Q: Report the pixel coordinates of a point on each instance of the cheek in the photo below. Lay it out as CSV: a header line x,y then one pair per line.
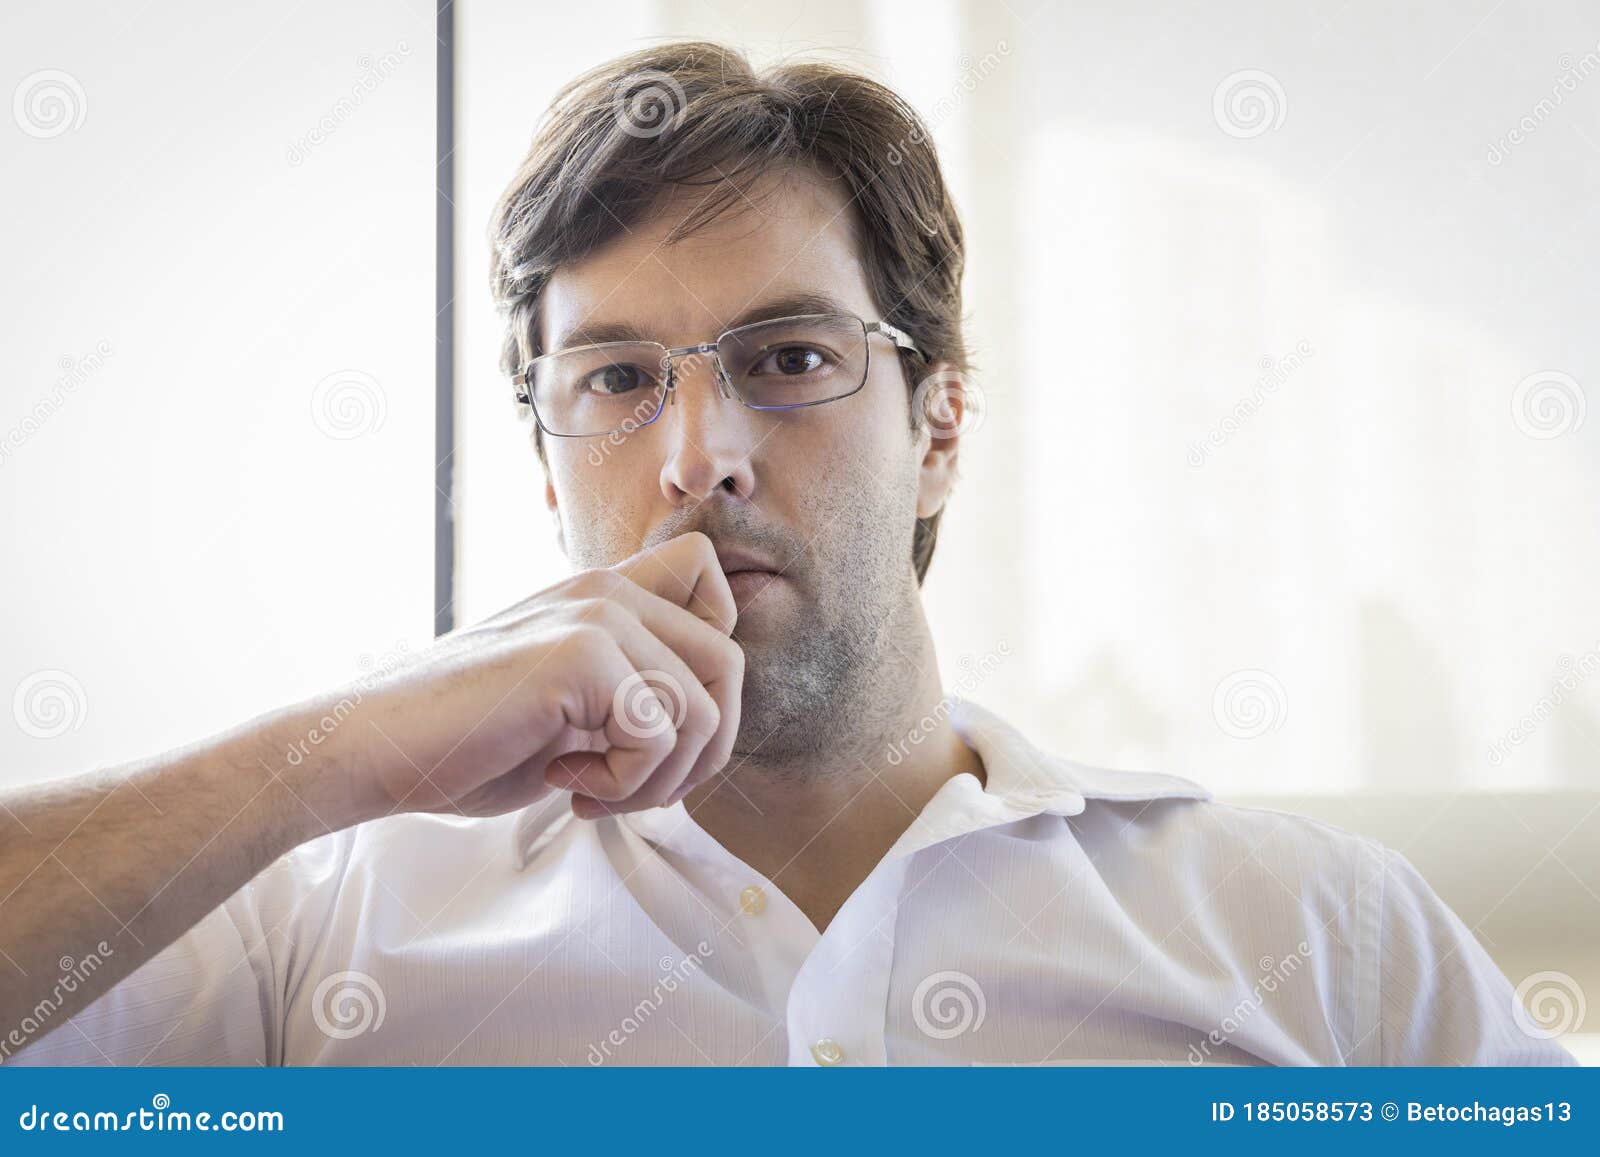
x,y
871,430
602,499
879,444
849,475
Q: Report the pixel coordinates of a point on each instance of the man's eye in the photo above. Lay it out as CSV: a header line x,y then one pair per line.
x,y
791,361
609,381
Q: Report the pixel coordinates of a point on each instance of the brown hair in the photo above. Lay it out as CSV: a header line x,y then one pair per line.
x,y
696,114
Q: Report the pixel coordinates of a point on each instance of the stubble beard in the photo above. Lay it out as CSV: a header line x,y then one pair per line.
x,y
825,694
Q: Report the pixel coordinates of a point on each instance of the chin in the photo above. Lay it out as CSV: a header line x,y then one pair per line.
x,y
770,609
797,680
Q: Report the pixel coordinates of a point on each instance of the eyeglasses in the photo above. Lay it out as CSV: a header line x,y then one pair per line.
x,y
785,364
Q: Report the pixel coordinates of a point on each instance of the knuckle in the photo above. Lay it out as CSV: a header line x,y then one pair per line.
x,y
592,583
626,789
589,638
652,735
707,715
598,612
608,613
608,790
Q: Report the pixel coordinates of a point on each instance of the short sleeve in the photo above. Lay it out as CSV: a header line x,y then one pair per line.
x,y
1443,1001
216,994
193,1003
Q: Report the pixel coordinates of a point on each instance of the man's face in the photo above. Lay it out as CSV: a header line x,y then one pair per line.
x,y
827,496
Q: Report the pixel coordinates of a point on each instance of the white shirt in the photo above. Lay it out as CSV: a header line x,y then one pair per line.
x,y
1056,914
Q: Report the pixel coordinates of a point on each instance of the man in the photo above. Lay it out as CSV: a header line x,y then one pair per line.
x,y
705,801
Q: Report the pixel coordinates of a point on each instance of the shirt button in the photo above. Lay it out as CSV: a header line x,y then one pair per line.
x,y
752,901
827,1052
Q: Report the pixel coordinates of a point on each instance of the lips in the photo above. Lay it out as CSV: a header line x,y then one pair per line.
x,y
735,561
748,574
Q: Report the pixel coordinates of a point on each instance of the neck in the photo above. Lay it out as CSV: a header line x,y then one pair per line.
x,y
817,832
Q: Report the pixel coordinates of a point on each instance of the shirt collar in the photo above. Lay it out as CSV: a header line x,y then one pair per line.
x,y
1020,782
1016,767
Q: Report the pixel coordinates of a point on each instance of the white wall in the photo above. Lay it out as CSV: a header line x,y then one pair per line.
x,y
216,383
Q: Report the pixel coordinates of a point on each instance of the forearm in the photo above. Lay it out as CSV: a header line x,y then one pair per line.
x,y
117,864
135,856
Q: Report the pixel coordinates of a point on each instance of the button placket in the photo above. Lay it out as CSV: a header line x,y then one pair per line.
x,y
775,933
826,1052
838,1006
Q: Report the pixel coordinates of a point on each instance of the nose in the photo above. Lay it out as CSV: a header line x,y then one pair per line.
x,y
710,438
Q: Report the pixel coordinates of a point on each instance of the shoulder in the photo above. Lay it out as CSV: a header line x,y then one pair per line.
x,y
1391,974
1164,841
1260,880
1232,845
397,863
390,850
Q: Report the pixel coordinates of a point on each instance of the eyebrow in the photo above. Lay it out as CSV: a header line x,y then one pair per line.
x,y
786,305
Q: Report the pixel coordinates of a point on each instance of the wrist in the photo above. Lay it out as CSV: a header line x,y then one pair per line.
x,y
317,775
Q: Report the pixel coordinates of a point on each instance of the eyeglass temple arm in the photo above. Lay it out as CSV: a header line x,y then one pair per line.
x,y
898,337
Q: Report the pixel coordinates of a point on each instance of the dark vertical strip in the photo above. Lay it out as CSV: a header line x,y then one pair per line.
x,y
444,369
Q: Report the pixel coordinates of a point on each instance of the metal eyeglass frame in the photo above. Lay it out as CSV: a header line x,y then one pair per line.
x,y
524,393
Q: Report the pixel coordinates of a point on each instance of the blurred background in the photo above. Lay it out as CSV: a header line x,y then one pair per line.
x,y
1284,318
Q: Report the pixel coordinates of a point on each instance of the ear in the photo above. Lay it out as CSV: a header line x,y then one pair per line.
x,y
555,514
944,409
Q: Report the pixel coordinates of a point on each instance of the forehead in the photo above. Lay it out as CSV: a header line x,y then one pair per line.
x,y
789,243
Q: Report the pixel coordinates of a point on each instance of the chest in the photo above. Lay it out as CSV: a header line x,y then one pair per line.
x,y
986,955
